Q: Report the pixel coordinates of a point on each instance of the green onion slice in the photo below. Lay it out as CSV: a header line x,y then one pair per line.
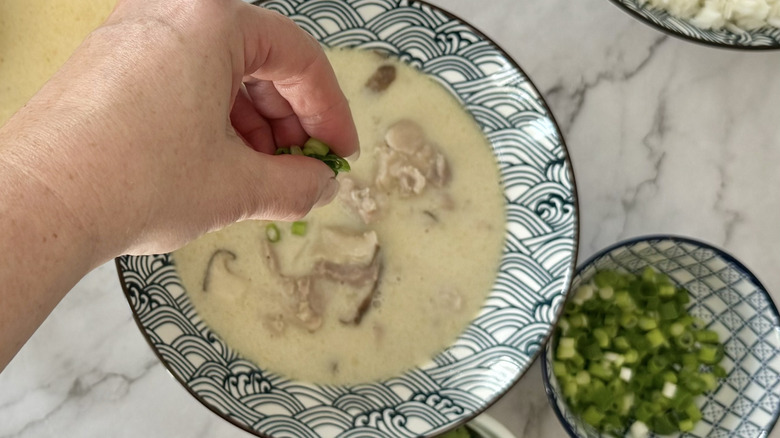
x,y
630,359
298,228
317,149
272,233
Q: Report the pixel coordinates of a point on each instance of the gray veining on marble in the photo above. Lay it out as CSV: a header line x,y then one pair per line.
x,y
665,136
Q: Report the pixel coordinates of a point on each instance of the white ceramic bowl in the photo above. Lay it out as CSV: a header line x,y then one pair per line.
x,y
506,336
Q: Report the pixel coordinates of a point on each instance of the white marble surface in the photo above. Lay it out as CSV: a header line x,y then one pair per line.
x,y
665,137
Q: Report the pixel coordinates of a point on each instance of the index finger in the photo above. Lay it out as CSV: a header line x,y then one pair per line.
x,y
277,50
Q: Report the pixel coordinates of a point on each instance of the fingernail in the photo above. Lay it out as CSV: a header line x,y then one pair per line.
x,y
328,193
354,156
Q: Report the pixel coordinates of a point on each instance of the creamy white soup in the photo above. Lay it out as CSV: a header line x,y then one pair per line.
x,y
387,275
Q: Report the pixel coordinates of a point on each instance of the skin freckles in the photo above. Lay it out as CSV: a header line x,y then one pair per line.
x,y
140,144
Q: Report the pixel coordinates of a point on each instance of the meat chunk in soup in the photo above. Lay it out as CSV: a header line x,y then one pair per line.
x,y
361,200
342,257
410,162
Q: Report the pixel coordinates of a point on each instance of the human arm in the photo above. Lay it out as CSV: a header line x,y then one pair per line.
x,y
158,129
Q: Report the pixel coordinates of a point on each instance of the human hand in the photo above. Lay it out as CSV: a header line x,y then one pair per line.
x,y
162,125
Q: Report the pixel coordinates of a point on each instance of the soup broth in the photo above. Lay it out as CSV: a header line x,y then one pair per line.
x,y
390,273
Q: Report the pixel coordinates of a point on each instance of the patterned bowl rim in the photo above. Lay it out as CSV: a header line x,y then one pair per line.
x,y
736,47
571,271
552,398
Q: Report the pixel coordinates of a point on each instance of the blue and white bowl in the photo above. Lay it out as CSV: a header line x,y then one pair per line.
x,y
507,335
731,300
765,38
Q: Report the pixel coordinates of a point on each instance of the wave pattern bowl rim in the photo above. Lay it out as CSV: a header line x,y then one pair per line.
x,y
764,39
491,356
726,280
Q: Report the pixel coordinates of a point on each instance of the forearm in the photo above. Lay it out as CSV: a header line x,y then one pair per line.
x,y
46,247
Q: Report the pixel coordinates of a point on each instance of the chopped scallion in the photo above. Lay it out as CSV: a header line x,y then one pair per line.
x,y
666,290
298,228
592,415
606,293
272,232
656,338
317,149
630,359
601,337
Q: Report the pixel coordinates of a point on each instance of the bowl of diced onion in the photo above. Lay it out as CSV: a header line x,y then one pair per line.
x,y
665,335
733,24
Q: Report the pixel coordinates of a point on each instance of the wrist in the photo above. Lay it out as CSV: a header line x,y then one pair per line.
x,y
44,205
46,248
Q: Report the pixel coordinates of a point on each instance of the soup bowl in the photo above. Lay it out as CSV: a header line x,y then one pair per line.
x,y
765,38
501,342
729,300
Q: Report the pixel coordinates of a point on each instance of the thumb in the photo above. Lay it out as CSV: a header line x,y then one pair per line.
x,y
282,187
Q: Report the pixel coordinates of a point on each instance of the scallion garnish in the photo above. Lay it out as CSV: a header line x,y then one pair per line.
x,y
272,233
298,228
630,359
317,149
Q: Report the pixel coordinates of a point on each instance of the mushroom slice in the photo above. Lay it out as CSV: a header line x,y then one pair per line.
x,y
219,272
382,78
405,136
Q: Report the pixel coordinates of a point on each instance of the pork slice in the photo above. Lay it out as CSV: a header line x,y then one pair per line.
x,y
356,287
387,163
351,261
410,162
410,180
338,246
359,200
303,302
309,304
438,172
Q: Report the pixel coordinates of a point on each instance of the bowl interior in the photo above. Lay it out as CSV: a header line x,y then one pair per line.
x,y
765,38
733,303
500,344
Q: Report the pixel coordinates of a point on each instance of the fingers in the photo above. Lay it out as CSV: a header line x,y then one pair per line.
x,y
254,129
277,50
276,187
270,105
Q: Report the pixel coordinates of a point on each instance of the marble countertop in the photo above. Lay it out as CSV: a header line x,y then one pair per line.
x,y
665,136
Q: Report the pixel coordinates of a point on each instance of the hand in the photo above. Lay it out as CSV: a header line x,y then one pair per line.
x,y
159,128
149,137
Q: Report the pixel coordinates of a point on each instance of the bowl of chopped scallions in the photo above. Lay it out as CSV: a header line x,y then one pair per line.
x,y
665,335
